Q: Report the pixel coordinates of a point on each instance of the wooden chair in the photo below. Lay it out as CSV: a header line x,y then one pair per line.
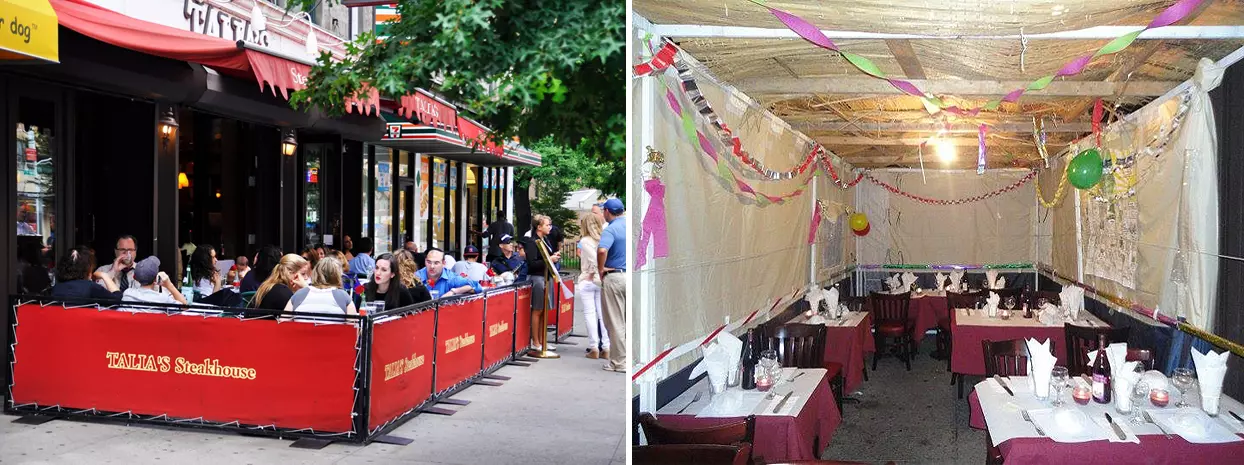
x,y
955,300
726,434
692,454
1081,339
1006,358
1144,356
891,320
803,346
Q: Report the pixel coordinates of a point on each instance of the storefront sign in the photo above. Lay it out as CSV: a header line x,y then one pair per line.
x,y
499,319
383,179
401,361
186,366
28,29
205,18
428,110
458,341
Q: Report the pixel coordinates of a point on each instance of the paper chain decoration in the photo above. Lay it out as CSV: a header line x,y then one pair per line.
x,y
894,190
932,103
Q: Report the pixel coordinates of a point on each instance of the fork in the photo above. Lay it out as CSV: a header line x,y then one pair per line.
x,y
1150,420
696,399
1034,424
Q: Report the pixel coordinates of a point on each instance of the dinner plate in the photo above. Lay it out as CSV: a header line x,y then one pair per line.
x,y
1194,426
1067,424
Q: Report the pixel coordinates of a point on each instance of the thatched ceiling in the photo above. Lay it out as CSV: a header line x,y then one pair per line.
x,y
825,97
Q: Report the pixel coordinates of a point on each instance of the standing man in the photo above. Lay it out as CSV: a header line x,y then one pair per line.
x,y
123,265
598,210
441,284
495,231
611,255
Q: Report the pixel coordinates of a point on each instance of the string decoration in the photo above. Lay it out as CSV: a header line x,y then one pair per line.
x,y
930,201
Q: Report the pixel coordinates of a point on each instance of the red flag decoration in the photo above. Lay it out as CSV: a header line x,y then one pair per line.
x,y
661,60
980,152
816,223
1097,114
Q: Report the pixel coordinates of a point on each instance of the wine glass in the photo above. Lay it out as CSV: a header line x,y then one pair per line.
x,y
1041,301
1183,378
1139,393
1009,303
1058,380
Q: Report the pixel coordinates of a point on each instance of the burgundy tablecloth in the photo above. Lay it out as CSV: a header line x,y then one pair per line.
x,y
924,312
783,438
847,346
1152,449
966,357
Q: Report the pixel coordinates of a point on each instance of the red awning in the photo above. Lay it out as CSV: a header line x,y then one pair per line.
x,y
475,134
225,56
429,110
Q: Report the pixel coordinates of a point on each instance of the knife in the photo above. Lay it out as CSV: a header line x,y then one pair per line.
x,y
783,401
1117,429
998,379
1237,417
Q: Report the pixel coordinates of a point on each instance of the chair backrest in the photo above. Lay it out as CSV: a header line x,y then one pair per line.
x,y
247,297
853,303
1007,358
798,345
963,299
725,434
889,307
692,454
1081,339
1144,356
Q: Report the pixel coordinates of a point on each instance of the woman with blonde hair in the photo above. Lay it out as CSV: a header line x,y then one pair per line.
x,y
289,275
587,286
324,295
406,269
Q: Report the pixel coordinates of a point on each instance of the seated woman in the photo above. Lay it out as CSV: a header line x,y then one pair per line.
x,y
73,278
203,272
386,287
265,260
291,274
407,271
324,295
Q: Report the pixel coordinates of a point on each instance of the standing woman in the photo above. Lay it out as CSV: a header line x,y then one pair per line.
x,y
406,271
536,268
386,287
291,274
203,271
587,287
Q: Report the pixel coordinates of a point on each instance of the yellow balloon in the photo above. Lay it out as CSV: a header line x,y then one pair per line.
x,y
858,222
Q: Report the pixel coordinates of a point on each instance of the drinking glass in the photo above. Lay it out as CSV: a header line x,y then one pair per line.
x,y
1041,301
1009,303
1139,393
1058,381
1183,378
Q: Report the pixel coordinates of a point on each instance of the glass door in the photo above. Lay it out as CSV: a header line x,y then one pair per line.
x,y
313,206
37,156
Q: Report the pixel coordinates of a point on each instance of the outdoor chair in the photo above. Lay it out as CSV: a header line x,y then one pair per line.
x,y
692,454
725,434
1006,358
1144,356
803,346
945,340
1081,339
891,320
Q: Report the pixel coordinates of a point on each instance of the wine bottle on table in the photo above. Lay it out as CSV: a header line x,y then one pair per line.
x,y
749,361
1101,373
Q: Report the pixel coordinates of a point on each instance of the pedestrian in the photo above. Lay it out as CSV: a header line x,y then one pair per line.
x,y
587,287
495,231
611,255
536,247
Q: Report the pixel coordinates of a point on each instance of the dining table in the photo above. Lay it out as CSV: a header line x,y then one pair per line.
x,y
1019,441
848,340
795,423
968,327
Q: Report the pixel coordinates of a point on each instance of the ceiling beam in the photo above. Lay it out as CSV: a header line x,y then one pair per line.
x,y
831,141
1092,33
906,57
934,127
870,85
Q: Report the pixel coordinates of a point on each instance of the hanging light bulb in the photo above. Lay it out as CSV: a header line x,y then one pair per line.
x,y
313,47
259,22
946,151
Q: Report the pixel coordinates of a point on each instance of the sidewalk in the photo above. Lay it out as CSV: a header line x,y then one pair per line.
x,y
556,411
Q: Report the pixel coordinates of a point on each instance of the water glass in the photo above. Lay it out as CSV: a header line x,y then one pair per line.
x,y
1139,393
1058,381
1009,303
1183,378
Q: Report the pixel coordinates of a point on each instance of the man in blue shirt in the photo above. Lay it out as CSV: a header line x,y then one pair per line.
x,y
611,255
362,263
441,284
509,260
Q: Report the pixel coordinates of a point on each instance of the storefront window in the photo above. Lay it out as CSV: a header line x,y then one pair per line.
x,y
440,182
383,197
368,172
313,157
36,187
453,205
425,202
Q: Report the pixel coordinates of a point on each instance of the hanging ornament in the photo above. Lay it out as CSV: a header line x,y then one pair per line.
x,y
980,152
863,232
1085,169
859,222
1038,136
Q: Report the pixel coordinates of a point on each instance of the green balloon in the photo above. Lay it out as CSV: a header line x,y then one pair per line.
x,y
1085,169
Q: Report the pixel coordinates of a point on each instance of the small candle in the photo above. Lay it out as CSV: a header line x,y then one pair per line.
x,y
1082,394
764,384
1159,397
809,313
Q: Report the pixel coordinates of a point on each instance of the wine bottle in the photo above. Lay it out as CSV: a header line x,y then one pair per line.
x,y
1101,373
748,360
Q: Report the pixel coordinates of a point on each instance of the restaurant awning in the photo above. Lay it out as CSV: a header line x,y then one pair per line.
x,y
453,143
28,31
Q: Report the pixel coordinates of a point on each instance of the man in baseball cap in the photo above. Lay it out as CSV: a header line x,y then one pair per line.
x,y
611,255
510,260
151,281
471,268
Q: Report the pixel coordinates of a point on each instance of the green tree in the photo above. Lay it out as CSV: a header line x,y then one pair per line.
x,y
523,68
563,170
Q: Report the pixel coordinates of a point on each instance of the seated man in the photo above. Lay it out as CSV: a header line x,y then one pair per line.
x,y
441,284
510,260
151,280
471,268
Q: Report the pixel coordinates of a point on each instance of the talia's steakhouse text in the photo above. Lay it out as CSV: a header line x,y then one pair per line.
x,y
164,363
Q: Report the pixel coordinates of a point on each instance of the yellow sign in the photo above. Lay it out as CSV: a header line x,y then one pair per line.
x,y
403,366
28,30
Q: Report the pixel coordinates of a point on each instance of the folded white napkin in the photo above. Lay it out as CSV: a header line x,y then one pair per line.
x,y
893,282
1041,361
909,278
991,304
814,296
956,279
1155,379
990,277
940,280
1124,380
831,299
1000,283
1211,367
1116,354
721,359
816,320
1072,298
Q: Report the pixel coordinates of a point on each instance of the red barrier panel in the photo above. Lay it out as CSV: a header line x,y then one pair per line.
x,y
401,366
459,341
565,317
499,323
522,323
258,372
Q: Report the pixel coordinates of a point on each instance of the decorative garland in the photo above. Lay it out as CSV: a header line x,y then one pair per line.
x,y
1058,195
894,190
819,152
811,33
943,267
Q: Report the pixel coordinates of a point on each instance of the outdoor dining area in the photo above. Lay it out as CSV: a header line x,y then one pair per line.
x,y
952,232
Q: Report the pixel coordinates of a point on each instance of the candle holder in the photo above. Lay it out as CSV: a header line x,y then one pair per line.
x,y
1159,398
1082,394
764,384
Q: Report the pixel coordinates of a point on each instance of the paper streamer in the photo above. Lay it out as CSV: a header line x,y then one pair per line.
x,y
980,150
653,228
816,224
811,33
1097,114
660,60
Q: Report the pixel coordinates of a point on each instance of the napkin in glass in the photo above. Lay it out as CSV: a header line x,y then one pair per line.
x,y
893,282
1050,315
814,296
1125,378
721,359
990,277
1041,361
991,304
1072,298
1211,367
956,279
940,280
909,278
1000,283
831,299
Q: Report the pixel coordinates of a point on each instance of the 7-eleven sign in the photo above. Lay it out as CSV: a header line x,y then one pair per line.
x,y
384,15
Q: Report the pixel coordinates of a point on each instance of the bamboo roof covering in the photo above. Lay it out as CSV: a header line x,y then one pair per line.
x,y
870,125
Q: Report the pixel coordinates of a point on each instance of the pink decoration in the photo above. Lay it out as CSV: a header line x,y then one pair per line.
x,y
816,224
653,228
